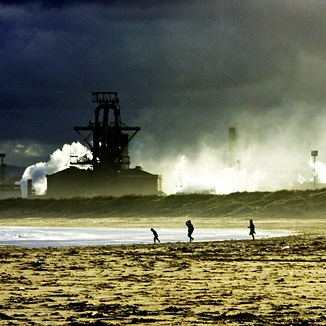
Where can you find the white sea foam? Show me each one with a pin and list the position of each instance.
(59, 236)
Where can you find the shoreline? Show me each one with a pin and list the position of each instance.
(71, 236)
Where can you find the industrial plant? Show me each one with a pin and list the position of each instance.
(8, 186)
(106, 172)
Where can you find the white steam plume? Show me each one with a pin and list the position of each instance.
(319, 171)
(59, 160)
(196, 177)
(207, 171)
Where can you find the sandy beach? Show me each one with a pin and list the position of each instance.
(275, 281)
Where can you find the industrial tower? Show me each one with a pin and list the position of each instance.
(110, 142)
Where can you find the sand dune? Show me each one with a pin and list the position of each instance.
(283, 203)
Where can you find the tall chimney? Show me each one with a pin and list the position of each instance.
(232, 145)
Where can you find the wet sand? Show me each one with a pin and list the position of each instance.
(277, 281)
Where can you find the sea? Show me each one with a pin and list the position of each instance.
(72, 236)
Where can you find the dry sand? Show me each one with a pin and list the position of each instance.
(277, 281)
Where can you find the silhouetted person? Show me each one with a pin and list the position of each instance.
(252, 230)
(155, 235)
(190, 230)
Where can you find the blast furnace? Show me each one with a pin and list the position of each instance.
(106, 172)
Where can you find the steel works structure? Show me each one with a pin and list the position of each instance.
(109, 172)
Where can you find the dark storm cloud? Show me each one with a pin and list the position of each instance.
(185, 71)
(53, 3)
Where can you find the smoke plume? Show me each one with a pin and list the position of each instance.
(59, 160)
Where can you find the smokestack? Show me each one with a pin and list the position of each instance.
(232, 144)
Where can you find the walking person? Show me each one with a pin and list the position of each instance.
(155, 236)
(252, 229)
(190, 230)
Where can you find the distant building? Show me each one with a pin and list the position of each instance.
(74, 182)
(10, 177)
(10, 191)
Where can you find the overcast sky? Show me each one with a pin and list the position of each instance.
(185, 71)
